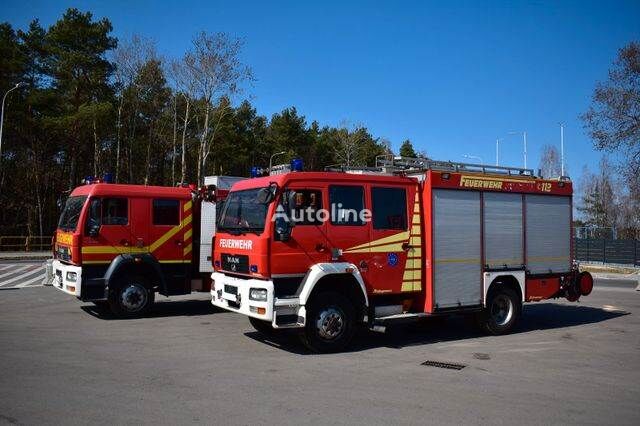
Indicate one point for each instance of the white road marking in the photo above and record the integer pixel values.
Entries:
(13, 271)
(20, 277)
(39, 278)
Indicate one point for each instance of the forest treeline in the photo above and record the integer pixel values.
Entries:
(90, 104)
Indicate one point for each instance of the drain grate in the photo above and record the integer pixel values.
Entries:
(448, 365)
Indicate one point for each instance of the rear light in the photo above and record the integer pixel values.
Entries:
(585, 283)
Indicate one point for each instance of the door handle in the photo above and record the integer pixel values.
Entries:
(320, 247)
(178, 242)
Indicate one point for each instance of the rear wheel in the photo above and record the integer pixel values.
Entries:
(330, 323)
(131, 297)
(502, 312)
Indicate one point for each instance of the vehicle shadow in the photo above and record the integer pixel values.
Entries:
(545, 316)
(171, 308)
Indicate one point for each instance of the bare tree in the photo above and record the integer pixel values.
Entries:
(215, 68)
(129, 57)
(550, 162)
(185, 85)
(347, 144)
(613, 120)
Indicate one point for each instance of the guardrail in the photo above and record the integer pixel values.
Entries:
(25, 243)
(622, 252)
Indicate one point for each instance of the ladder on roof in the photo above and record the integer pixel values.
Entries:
(397, 164)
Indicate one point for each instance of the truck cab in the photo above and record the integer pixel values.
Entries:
(118, 245)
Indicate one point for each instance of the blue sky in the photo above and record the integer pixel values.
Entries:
(450, 76)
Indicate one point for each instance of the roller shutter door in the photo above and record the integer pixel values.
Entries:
(503, 245)
(548, 233)
(457, 262)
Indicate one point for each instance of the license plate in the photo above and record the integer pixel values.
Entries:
(231, 289)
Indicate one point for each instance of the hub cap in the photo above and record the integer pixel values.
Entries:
(330, 323)
(501, 310)
(133, 297)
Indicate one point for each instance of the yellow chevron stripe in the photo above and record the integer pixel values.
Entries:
(173, 231)
(187, 206)
(188, 233)
(175, 261)
(187, 250)
(399, 237)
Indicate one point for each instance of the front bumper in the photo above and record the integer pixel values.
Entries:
(61, 278)
(232, 293)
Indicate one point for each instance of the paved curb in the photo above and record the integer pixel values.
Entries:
(37, 255)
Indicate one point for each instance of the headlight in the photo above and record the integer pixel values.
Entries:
(259, 294)
(72, 276)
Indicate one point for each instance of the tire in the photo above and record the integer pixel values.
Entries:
(331, 322)
(131, 297)
(502, 312)
(263, 327)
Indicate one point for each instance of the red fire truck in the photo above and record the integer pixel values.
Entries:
(325, 252)
(118, 245)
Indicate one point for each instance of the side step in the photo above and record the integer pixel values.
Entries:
(380, 324)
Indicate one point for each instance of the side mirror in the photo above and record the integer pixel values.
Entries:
(266, 195)
(94, 231)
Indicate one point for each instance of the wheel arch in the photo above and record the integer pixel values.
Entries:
(144, 264)
(340, 277)
(514, 280)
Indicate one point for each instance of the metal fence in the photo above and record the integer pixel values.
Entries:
(25, 243)
(624, 252)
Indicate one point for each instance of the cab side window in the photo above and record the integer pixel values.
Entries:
(115, 211)
(94, 219)
(166, 212)
(347, 203)
(389, 208)
(307, 202)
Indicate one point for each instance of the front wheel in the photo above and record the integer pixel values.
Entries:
(502, 312)
(131, 298)
(330, 323)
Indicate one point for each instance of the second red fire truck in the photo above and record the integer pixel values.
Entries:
(326, 252)
(119, 245)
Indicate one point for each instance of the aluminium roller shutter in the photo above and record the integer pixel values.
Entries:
(548, 233)
(503, 246)
(457, 262)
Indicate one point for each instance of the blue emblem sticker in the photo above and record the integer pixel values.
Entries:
(392, 259)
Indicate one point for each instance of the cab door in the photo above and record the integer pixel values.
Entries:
(308, 242)
(348, 232)
(110, 216)
(169, 240)
(394, 264)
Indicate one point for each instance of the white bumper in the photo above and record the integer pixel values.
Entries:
(62, 275)
(232, 294)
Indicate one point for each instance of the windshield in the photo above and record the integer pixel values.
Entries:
(71, 213)
(242, 212)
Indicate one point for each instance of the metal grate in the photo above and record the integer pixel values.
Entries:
(448, 365)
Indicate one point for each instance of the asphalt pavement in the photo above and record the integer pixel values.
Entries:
(67, 362)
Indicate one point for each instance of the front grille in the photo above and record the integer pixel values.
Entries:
(235, 262)
(231, 289)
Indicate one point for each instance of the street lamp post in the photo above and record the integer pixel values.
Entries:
(471, 157)
(524, 139)
(17, 86)
(561, 149)
(497, 151)
(272, 157)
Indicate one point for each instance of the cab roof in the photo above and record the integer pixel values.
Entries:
(331, 177)
(111, 189)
